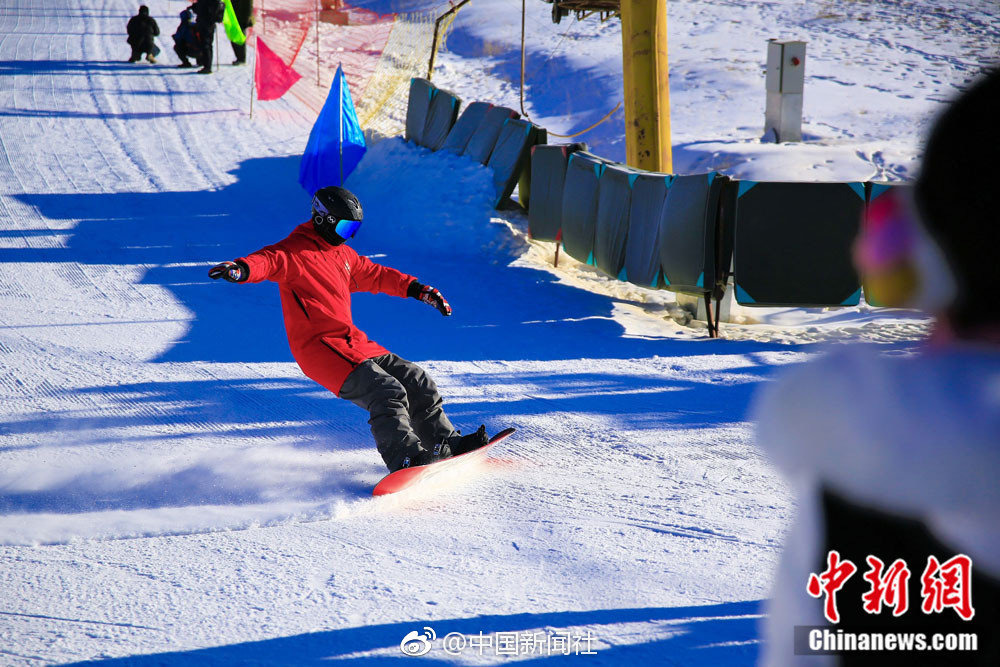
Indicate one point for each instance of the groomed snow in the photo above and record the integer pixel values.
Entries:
(173, 490)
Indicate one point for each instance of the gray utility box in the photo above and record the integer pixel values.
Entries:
(786, 76)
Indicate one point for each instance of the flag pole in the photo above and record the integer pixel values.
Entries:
(317, 43)
(253, 74)
(340, 102)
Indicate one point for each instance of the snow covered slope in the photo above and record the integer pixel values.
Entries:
(171, 486)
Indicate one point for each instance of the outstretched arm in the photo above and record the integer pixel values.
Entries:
(275, 262)
(368, 276)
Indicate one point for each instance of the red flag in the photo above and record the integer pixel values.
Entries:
(271, 75)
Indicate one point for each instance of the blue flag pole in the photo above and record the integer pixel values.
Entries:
(335, 144)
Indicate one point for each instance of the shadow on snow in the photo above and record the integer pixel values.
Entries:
(717, 635)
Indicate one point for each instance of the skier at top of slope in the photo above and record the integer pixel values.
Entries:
(317, 272)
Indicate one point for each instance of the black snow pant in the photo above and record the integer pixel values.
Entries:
(146, 46)
(206, 32)
(405, 407)
(240, 50)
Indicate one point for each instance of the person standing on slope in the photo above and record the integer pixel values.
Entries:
(317, 272)
(207, 14)
(243, 9)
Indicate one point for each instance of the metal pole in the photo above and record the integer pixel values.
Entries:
(647, 85)
(340, 106)
(253, 76)
(434, 44)
(317, 43)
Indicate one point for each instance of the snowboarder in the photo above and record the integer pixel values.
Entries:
(897, 456)
(142, 30)
(185, 41)
(317, 272)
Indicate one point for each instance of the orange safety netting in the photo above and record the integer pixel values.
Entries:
(379, 52)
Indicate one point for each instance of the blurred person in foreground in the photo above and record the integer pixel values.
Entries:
(898, 456)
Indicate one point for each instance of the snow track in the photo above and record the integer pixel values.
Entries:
(170, 483)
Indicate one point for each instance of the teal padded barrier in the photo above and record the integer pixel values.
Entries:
(548, 175)
(611, 227)
(440, 118)
(579, 204)
(510, 156)
(417, 107)
(482, 141)
(642, 246)
(465, 126)
(793, 244)
(689, 233)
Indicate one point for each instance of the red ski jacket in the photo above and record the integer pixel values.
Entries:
(316, 279)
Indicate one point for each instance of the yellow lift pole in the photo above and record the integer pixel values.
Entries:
(647, 85)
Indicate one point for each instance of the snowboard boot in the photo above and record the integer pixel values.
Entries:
(424, 457)
(468, 443)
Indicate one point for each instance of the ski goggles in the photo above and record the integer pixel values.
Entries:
(346, 229)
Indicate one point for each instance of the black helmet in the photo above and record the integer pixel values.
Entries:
(336, 214)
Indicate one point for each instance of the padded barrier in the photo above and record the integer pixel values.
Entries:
(642, 247)
(440, 118)
(793, 243)
(510, 156)
(548, 175)
(689, 232)
(611, 230)
(462, 130)
(485, 137)
(417, 108)
(579, 204)
(874, 190)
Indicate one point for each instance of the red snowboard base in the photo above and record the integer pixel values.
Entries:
(407, 477)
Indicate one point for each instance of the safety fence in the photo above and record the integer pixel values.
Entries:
(494, 136)
(379, 52)
(782, 244)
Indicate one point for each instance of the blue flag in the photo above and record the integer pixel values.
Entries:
(336, 142)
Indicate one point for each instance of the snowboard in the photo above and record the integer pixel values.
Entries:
(407, 477)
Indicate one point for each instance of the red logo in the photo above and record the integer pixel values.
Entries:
(888, 588)
(942, 585)
(829, 582)
(948, 584)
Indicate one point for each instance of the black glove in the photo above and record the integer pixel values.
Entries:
(428, 295)
(234, 272)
